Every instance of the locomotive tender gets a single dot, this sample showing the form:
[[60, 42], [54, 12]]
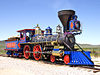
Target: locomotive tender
[[61, 46]]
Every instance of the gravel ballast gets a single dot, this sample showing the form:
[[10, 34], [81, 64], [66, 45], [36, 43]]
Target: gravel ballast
[[15, 66]]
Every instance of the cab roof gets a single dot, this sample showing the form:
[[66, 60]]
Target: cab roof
[[27, 30]]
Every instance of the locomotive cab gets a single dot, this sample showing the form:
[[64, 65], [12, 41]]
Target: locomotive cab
[[26, 35]]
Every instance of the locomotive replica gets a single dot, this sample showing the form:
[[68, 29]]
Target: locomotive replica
[[61, 46]]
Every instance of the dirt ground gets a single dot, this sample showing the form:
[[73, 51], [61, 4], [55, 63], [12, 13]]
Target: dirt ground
[[16, 66]]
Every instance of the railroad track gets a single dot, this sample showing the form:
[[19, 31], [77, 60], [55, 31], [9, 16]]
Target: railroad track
[[95, 68]]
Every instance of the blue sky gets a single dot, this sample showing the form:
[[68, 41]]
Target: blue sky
[[22, 14]]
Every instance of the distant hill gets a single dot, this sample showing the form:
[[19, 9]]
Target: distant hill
[[2, 47], [89, 46], [2, 42]]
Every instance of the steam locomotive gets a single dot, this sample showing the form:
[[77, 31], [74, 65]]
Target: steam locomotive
[[60, 46]]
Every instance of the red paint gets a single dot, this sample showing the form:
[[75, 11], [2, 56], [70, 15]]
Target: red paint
[[52, 58], [26, 54], [27, 29], [11, 49], [66, 59], [11, 45], [19, 45], [22, 38], [36, 51], [71, 25]]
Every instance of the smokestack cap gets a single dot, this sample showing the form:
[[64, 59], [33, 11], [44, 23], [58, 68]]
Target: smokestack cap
[[66, 12]]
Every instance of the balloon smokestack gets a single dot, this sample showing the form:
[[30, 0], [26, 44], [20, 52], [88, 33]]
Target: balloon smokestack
[[65, 17]]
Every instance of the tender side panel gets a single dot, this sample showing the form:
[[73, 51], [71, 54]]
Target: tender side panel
[[12, 45]]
